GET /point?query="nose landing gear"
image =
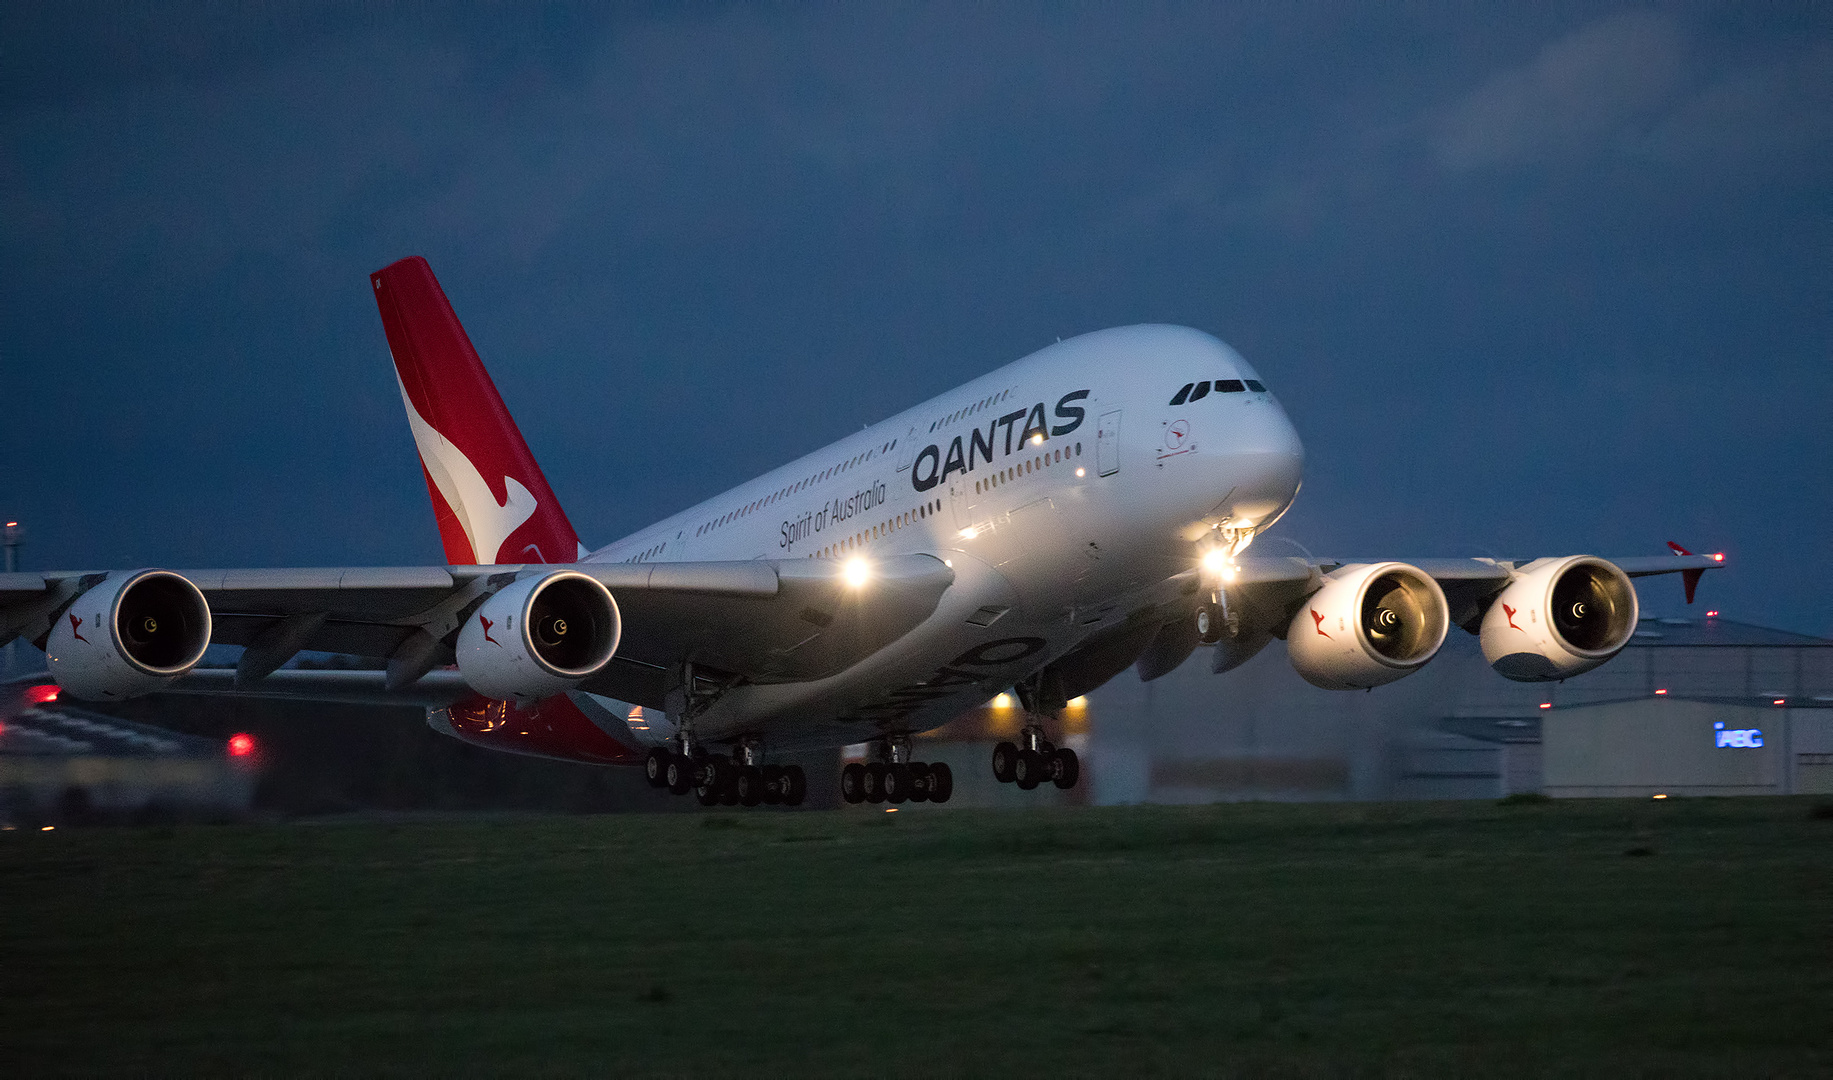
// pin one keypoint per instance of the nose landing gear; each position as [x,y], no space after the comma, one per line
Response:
[894,778]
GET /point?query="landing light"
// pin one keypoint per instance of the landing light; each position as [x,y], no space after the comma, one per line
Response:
[1037,440]
[857,572]
[1002,701]
[1081,472]
[968,534]
[1078,703]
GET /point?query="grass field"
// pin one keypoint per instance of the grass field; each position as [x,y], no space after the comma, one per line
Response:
[1677,938]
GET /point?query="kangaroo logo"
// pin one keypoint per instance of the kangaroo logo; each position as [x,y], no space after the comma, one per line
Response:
[1317,622]
[487,523]
[487,624]
[76,623]
[1509,614]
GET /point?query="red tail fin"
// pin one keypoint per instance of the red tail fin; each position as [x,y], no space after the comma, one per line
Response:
[491,501]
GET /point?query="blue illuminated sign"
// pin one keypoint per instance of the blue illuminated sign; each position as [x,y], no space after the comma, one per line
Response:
[1739,738]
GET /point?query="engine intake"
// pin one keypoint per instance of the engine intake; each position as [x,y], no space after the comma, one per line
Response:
[130,634]
[1370,624]
[1558,618]
[539,636]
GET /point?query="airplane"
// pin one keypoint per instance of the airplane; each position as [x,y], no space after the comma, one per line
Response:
[1077,512]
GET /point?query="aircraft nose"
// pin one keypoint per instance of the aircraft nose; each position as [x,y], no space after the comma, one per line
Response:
[1266,467]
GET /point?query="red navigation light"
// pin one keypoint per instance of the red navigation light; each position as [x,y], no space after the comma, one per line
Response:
[1718,557]
[241,744]
[41,695]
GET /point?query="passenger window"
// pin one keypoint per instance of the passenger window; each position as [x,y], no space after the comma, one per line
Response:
[1184,393]
[1229,386]
[1256,386]
[1201,392]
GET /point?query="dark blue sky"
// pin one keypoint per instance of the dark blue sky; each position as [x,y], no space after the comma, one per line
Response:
[1553,283]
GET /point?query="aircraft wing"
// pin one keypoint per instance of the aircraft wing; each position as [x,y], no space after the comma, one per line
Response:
[758,621]
[1273,586]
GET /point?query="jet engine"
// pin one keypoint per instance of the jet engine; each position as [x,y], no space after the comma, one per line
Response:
[130,634]
[1370,624]
[1558,618]
[539,636]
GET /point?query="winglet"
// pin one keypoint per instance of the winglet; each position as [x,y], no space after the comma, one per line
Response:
[1690,578]
[489,497]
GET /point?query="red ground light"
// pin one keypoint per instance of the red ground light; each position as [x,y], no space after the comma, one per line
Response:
[38,695]
[241,744]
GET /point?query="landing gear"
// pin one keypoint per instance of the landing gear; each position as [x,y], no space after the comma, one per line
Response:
[1036,762]
[896,779]
[721,781]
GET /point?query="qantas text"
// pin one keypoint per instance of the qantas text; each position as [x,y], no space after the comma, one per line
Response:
[934,465]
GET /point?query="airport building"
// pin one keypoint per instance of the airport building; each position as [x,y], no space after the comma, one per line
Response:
[1692,706]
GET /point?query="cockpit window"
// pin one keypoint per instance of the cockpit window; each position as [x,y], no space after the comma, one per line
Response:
[1184,393]
[1256,386]
[1229,386]
[1201,392]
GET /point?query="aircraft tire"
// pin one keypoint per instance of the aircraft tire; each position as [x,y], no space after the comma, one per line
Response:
[1028,769]
[795,785]
[875,782]
[941,782]
[655,767]
[853,783]
[1005,756]
[775,784]
[749,785]
[919,782]
[1067,768]
[680,774]
[898,782]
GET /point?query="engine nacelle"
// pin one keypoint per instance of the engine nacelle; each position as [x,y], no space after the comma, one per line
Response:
[539,636]
[1370,624]
[131,634]
[1559,618]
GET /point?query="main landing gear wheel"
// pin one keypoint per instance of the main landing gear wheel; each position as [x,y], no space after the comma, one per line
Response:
[1028,769]
[749,785]
[1005,757]
[678,774]
[877,782]
[794,785]
[773,785]
[1035,762]
[941,782]
[655,767]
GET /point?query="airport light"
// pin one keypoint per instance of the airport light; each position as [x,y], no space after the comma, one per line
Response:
[1546,704]
[42,694]
[1663,692]
[241,744]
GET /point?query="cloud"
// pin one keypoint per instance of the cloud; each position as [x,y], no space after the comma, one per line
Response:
[1581,90]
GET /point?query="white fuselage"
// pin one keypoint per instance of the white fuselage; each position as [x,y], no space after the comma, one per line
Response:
[1062,489]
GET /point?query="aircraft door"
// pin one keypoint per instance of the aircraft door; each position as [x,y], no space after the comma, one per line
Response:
[1107,444]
